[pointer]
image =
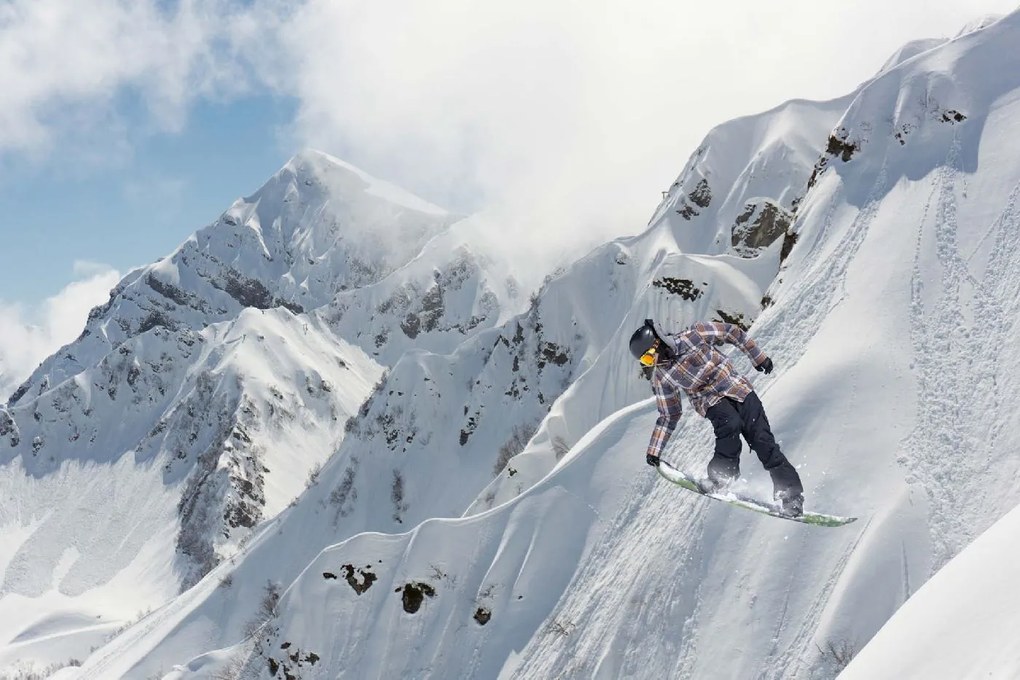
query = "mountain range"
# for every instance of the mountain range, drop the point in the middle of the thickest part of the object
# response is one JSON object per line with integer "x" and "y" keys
{"x": 332, "y": 435}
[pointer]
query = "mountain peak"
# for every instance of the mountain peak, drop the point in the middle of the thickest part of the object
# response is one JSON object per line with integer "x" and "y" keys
{"x": 313, "y": 167}
{"x": 909, "y": 51}
{"x": 981, "y": 22}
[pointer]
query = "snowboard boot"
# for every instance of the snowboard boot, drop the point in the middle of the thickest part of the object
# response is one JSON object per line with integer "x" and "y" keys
{"x": 715, "y": 482}
{"x": 791, "y": 504}
{"x": 721, "y": 472}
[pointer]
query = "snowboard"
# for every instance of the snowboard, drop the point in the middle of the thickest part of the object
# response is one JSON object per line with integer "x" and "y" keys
{"x": 684, "y": 480}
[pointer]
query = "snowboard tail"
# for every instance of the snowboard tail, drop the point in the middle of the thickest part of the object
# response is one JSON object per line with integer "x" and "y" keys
{"x": 684, "y": 480}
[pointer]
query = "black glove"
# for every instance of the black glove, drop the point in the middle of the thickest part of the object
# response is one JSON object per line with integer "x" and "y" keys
{"x": 652, "y": 460}
{"x": 765, "y": 366}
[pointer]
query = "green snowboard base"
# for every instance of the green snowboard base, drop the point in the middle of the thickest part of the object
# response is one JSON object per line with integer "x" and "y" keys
{"x": 684, "y": 480}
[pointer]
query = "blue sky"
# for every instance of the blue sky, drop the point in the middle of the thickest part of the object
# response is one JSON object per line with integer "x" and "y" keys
{"x": 126, "y": 126}
{"x": 133, "y": 209}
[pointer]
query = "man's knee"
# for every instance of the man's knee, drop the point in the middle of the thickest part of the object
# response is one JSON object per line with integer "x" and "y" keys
{"x": 726, "y": 422}
{"x": 727, "y": 444}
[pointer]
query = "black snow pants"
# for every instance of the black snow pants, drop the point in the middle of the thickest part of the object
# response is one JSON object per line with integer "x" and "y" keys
{"x": 731, "y": 419}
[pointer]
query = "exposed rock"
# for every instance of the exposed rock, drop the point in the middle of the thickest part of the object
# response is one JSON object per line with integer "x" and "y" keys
{"x": 701, "y": 197}
{"x": 685, "y": 288}
{"x": 9, "y": 428}
{"x": 789, "y": 241}
{"x": 702, "y": 194}
{"x": 414, "y": 594}
{"x": 737, "y": 319}
{"x": 951, "y": 116}
{"x": 360, "y": 580}
{"x": 248, "y": 292}
{"x": 759, "y": 226}
{"x": 289, "y": 666}
{"x": 177, "y": 295}
{"x": 839, "y": 145}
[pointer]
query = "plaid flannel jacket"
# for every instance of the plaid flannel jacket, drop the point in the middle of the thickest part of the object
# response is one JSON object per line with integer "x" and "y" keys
{"x": 701, "y": 371}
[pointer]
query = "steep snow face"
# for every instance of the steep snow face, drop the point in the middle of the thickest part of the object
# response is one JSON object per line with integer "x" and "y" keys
{"x": 435, "y": 432}
{"x": 971, "y": 607}
{"x": 320, "y": 226}
{"x": 177, "y": 444}
{"x": 722, "y": 197}
{"x": 602, "y": 299}
{"x": 609, "y": 293}
{"x": 881, "y": 398}
{"x": 911, "y": 50}
{"x": 935, "y": 211}
{"x": 449, "y": 292}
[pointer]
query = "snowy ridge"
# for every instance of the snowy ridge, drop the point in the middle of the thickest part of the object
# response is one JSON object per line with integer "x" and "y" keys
{"x": 612, "y": 290}
{"x": 443, "y": 557}
{"x": 720, "y": 189}
{"x": 448, "y": 292}
{"x": 195, "y": 443}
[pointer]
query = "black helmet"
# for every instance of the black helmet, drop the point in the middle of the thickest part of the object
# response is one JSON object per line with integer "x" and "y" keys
{"x": 643, "y": 339}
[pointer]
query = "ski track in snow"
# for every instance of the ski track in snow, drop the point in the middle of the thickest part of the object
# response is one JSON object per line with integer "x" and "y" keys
{"x": 585, "y": 649}
{"x": 953, "y": 445}
{"x": 651, "y": 640}
{"x": 905, "y": 561}
{"x": 790, "y": 663}
{"x": 821, "y": 287}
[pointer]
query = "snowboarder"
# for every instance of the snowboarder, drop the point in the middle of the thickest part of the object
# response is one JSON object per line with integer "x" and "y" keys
{"x": 689, "y": 361}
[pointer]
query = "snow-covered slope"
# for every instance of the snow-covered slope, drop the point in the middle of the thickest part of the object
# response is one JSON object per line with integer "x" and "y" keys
{"x": 872, "y": 243}
{"x": 960, "y": 624}
{"x": 455, "y": 408}
{"x": 136, "y": 478}
{"x": 608, "y": 293}
{"x": 449, "y": 291}
{"x": 204, "y": 396}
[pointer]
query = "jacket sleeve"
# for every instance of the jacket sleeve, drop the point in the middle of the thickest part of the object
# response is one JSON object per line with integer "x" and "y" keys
{"x": 719, "y": 333}
{"x": 670, "y": 409}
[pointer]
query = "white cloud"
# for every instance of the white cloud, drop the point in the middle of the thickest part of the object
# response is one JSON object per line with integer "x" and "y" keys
{"x": 69, "y": 69}
{"x": 562, "y": 118}
{"x": 27, "y": 336}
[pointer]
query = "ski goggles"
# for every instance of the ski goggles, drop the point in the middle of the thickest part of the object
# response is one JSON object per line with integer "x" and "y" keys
{"x": 648, "y": 358}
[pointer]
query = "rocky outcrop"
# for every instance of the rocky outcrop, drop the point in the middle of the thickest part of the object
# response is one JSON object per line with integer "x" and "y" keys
{"x": 759, "y": 226}
{"x": 699, "y": 197}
